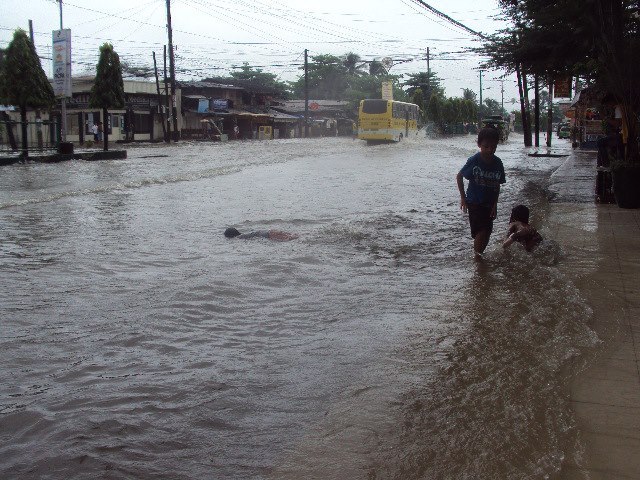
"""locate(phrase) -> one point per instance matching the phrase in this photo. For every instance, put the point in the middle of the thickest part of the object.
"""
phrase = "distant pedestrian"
(485, 174)
(94, 130)
(236, 132)
(100, 131)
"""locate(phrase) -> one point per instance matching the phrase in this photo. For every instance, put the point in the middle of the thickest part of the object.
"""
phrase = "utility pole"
(536, 107)
(550, 113)
(63, 110)
(528, 140)
(428, 65)
(155, 69)
(502, 94)
(428, 97)
(38, 117)
(480, 107)
(306, 94)
(167, 98)
(172, 73)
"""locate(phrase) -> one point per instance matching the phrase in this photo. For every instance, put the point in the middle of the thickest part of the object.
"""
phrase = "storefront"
(141, 119)
(587, 119)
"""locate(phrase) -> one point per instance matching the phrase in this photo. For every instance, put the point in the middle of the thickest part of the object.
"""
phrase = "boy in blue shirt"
(485, 173)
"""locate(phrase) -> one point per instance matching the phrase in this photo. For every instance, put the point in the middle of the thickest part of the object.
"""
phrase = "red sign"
(314, 106)
(562, 87)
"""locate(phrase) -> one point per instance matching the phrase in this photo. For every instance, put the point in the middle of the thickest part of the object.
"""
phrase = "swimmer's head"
(231, 232)
(520, 213)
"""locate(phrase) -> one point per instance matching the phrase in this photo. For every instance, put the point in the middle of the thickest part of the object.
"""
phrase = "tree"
(536, 45)
(376, 68)
(327, 78)
(470, 111)
(363, 87)
(428, 82)
(256, 80)
(434, 109)
(108, 88)
(598, 40)
(418, 99)
(469, 94)
(342, 78)
(23, 83)
(368, 86)
(450, 113)
(353, 63)
(492, 107)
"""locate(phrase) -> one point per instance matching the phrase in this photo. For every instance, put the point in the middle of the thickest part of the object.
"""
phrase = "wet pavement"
(605, 394)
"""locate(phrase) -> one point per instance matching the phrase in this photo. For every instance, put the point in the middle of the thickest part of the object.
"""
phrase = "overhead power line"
(449, 19)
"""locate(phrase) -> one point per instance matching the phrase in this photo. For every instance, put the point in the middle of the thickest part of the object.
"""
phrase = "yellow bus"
(386, 120)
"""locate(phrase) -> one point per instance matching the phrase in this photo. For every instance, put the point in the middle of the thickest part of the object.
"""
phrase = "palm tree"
(353, 63)
(377, 69)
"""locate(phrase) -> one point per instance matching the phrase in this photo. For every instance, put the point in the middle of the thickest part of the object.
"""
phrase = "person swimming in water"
(276, 235)
(520, 231)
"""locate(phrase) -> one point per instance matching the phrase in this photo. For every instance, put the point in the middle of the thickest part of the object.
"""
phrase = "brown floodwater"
(138, 342)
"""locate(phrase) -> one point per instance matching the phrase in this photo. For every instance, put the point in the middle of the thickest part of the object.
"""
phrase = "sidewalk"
(603, 247)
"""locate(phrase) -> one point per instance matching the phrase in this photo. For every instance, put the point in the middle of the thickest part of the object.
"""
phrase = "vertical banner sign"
(387, 91)
(62, 63)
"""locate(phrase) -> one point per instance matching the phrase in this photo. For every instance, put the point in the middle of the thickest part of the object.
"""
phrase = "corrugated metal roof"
(199, 84)
(320, 103)
(282, 116)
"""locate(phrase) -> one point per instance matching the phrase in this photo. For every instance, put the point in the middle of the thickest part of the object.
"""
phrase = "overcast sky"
(211, 36)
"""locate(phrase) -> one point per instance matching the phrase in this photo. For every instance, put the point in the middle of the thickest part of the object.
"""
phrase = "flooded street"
(139, 342)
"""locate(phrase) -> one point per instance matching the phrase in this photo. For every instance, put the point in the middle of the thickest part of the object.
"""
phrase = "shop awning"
(282, 117)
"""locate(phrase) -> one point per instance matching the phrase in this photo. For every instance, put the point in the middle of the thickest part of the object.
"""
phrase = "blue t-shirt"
(484, 180)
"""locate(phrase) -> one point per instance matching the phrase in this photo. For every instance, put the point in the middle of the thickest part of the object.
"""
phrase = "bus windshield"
(374, 106)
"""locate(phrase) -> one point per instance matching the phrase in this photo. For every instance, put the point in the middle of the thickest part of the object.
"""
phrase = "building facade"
(143, 117)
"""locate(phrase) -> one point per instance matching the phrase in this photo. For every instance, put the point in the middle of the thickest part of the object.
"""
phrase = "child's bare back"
(520, 231)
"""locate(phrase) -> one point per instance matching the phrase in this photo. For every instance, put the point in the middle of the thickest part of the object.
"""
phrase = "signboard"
(562, 87)
(203, 105)
(140, 102)
(220, 104)
(62, 63)
(314, 106)
(387, 91)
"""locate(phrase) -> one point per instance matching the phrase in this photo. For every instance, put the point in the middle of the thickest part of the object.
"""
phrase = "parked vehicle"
(564, 132)
(560, 126)
(497, 122)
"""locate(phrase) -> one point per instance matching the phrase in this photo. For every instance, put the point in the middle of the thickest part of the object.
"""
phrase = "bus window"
(374, 107)
(400, 111)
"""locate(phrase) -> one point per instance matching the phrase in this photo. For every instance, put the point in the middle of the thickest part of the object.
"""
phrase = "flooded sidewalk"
(605, 392)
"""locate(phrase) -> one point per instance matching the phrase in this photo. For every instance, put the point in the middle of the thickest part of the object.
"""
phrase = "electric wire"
(284, 60)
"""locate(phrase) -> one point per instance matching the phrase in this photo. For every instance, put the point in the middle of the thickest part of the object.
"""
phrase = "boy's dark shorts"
(479, 218)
